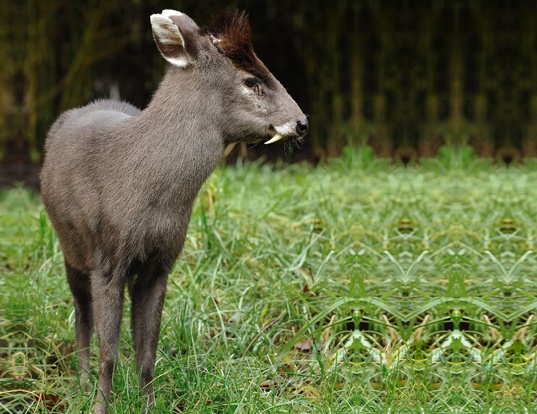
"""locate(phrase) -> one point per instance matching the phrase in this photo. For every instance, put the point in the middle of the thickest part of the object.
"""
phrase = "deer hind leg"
(108, 295)
(147, 295)
(80, 288)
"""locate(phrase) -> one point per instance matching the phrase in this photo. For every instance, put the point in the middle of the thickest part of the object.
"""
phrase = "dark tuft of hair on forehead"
(232, 31)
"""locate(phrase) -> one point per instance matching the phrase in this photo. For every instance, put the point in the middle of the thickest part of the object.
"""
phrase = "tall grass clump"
(355, 286)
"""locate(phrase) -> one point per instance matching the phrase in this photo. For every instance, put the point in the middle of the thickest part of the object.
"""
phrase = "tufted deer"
(119, 183)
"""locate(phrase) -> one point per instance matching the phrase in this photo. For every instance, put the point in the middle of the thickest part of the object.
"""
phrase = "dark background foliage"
(405, 77)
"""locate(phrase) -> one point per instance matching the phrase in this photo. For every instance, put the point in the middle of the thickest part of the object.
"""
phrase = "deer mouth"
(280, 134)
(277, 137)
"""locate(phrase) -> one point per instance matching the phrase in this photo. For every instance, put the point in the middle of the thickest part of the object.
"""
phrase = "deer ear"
(170, 38)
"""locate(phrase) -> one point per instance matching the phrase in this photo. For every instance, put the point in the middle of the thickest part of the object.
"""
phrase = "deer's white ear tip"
(170, 12)
(159, 18)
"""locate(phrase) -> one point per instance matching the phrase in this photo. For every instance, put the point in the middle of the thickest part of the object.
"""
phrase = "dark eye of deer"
(250, 82)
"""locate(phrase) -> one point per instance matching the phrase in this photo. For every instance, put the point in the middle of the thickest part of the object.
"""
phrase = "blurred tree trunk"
(12, 145)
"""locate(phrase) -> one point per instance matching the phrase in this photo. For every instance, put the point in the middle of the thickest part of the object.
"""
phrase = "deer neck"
(179, 133)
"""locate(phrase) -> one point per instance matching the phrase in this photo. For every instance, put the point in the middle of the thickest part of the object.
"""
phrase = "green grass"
(355, 286)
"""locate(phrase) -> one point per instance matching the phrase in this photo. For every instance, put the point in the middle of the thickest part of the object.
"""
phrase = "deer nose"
(302, 126)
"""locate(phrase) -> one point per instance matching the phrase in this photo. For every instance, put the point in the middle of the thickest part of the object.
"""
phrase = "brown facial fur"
(232, 29)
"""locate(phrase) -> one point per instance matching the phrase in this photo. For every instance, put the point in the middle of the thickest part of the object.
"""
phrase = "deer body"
(119, 183)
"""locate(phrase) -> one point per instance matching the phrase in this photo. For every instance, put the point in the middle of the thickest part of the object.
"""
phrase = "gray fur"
(119, 183)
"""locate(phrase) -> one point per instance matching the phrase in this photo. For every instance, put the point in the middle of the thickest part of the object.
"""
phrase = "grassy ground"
(356, 286)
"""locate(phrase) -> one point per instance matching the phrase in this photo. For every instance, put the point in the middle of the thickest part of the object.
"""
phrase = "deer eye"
(250, 82)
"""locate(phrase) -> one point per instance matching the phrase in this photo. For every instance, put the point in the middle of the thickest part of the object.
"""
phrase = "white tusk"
(275, 138)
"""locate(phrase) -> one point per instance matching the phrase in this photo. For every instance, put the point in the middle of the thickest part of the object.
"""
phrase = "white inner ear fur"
(168, 33)
(166, 30)
(179, 61)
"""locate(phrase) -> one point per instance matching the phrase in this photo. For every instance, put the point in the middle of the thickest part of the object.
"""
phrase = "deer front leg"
(108, 296)
(147, 296)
